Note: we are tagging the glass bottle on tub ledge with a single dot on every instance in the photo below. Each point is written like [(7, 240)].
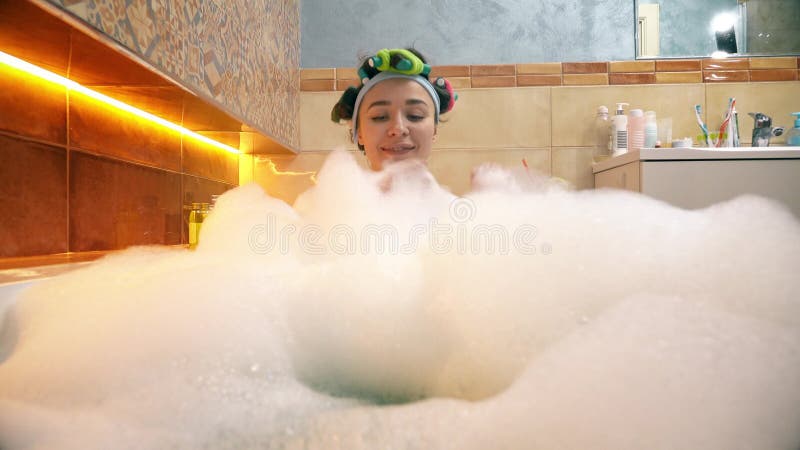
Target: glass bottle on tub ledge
[(197, 215)]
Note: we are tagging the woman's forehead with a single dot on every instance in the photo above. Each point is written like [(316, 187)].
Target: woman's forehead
[(397, 90)]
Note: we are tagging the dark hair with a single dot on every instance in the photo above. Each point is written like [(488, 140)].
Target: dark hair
[(343, 109)]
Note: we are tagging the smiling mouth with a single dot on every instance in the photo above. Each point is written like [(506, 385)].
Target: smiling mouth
[(397, 149)]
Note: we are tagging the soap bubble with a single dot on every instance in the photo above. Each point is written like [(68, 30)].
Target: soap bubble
[(381, 311)]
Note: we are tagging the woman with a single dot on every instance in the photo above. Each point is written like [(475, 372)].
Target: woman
[(395, 111)]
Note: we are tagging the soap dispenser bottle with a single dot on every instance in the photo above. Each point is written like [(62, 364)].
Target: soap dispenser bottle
[(602, 143), (619, 131), (793, 136)]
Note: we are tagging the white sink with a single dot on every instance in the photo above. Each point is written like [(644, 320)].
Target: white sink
[(652, 154)]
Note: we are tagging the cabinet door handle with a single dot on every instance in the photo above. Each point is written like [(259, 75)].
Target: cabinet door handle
[(623, 179)]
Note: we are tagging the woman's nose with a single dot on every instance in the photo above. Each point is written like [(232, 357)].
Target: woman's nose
[(398, 127)]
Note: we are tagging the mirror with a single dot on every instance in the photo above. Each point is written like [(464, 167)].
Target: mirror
[(688, 28)]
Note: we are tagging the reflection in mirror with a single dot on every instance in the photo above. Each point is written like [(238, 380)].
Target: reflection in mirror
[(688, 28)]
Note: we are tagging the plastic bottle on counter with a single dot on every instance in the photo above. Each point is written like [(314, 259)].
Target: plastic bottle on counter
[(636, 130), (602, 136), (793, 136), (619, 131), (650, 129)]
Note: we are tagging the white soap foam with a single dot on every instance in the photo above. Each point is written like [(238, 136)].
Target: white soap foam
[(383, 312)]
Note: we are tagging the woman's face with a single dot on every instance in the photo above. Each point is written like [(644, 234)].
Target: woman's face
[(396, 121)]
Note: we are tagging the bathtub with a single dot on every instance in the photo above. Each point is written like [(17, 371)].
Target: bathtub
[(14, 281)]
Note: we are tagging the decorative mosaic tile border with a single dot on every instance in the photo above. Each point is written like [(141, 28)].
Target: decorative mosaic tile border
[(243, 55), (670, 71)]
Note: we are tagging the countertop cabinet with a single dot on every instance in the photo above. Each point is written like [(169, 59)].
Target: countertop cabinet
[(696, 178), (622, 177)]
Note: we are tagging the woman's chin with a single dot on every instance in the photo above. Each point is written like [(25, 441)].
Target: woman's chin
[(387, 157)]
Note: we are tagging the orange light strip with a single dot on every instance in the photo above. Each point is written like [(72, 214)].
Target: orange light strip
[(38, 72)]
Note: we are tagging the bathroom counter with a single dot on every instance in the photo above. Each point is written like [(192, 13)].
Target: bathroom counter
[(694, 178), (692, 154)]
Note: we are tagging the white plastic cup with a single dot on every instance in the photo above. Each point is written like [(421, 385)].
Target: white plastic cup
[(635, 130), (665, 131), (650, 129)]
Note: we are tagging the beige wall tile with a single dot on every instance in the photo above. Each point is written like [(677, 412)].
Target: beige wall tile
[(301, 163), (498, 118), (317, 85), (574, 108), (449, 71), (452, 167), (631, 78), (317, 131), (344, 83), (776, 100), (585, 79), (584, 67), (726, 64), (460, 82), (632, 66), (726, 76), (316, 74), (538, 80), (679, 77), (788, 62), (539, 69), (485, 82), (678, 65), (574, 165), (773, 75), (346, 73), (287, 176), (492, 70)]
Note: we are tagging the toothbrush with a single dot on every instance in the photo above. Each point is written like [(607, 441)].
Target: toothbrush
[(703, 127), (732, 131), (723, 129), (527, 169)]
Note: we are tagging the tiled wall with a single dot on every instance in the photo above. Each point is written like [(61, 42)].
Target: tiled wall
[(544, 112), (665, 71), (245, 55), (78, 176)]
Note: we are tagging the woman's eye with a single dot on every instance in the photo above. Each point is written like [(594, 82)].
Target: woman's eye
[(379, 118), (416, 117)]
